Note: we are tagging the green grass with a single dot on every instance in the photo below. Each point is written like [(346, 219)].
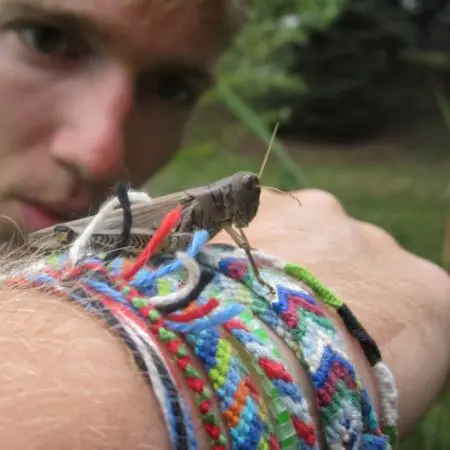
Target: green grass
[(405, 196)]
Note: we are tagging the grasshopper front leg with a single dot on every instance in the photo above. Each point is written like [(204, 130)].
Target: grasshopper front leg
[(242, 241)]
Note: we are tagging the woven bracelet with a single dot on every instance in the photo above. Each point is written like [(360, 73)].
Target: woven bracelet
[(165, 309), (126, 325), (231, 263)]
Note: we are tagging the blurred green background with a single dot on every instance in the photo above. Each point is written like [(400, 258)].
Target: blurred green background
[(359, 89)]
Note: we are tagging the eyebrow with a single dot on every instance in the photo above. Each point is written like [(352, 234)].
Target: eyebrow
[(19, 10), (72, 20)]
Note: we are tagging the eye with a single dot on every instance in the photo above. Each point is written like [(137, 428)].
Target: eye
[(51, 40), (64, 234), (249, 181), (173, 88)]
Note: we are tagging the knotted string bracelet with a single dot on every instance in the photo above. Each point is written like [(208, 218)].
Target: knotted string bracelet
[(217, 318), (134, 332), (390, 388), (386, 383), (238, 269), (93, 280)]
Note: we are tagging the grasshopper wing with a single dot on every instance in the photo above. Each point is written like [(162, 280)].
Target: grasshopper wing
[(144, 217)]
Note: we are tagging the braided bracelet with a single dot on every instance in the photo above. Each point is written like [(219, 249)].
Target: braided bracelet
[(287, 404), (290, 407), (246, 422), (370, 418), (238, 269), (131, 329), (177, 306)]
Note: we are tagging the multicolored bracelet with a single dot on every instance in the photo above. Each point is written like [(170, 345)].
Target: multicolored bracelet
[(207, 303), (235, 266)]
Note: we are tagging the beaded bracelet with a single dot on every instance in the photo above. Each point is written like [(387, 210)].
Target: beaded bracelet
[(156, 305)]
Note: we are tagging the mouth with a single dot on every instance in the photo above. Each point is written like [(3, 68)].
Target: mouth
[(37, 216)]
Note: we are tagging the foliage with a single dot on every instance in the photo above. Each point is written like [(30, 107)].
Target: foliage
[(248, 116), (444, 106), (258, 66), (328, 67), (346, 66), (263, 53)]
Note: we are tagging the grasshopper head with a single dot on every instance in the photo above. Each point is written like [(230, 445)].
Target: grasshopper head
[(64, 235), (247, 190)]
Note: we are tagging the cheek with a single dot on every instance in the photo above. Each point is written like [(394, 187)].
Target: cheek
[(152, 140), (25, 95)]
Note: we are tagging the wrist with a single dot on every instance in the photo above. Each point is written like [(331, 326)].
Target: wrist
[(410, 321)]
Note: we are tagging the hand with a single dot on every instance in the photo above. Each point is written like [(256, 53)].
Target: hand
[(401, 299)]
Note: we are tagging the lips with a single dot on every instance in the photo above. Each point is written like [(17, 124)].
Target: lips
[(37, 216)]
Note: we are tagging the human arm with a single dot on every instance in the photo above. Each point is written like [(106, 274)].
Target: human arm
[(98, 396)]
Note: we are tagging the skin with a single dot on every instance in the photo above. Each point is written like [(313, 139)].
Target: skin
[(70, 127), (116, 90)]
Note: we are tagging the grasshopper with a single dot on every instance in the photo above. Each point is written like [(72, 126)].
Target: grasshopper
[(109, 240), (229, 204)]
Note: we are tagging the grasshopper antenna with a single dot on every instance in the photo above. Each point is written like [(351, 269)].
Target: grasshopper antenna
[(264, 163), (269, 150), (272, 188)]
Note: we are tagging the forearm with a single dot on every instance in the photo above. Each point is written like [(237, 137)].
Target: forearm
[(67, 382), (67, 379)]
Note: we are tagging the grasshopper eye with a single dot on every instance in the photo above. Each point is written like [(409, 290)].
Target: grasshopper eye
[(249, 182), (64, 234)]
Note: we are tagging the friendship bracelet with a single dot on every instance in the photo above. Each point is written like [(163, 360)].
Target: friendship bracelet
[(285, 397), (387, 390), (239, 401), (289, 406), (287, 389), (148, 359), (237, 269), (247, 424), (243, 412), (386, 382), (163, 308)]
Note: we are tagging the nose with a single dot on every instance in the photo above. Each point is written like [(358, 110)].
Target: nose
[(90, 134)]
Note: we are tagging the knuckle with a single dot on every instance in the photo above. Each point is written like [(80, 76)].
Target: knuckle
[(322, 199), (436, 284), (437, 276), (377, 234)]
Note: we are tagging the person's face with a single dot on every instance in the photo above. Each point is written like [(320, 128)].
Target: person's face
[(92, 92)]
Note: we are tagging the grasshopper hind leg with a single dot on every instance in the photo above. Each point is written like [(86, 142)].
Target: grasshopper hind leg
[(242, 241)]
